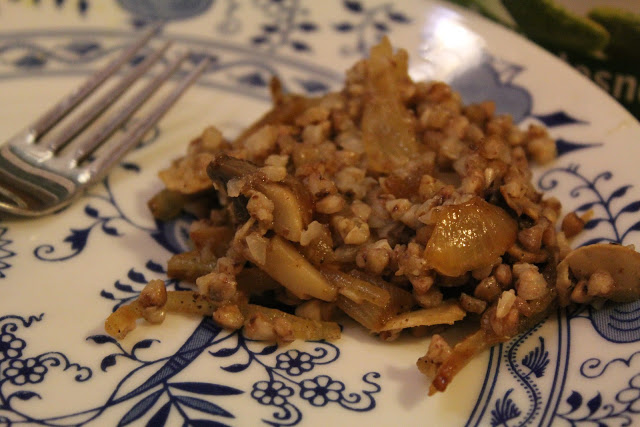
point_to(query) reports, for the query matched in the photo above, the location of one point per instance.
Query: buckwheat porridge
(389, 202)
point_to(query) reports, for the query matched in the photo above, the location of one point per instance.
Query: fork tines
(78, 147)
(41, 171)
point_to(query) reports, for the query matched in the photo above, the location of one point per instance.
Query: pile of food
(389, 202)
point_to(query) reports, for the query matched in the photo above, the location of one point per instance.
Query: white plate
(61, 276)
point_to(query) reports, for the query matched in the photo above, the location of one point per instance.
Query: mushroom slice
(287, 266)
(621, 263)
(292, 208)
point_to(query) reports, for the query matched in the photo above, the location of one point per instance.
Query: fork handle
(22, 192)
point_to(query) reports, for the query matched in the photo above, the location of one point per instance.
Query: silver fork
(40, 175)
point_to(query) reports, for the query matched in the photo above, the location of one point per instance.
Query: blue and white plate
(62, 275)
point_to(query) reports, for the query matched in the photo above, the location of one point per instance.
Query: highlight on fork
(76, 142)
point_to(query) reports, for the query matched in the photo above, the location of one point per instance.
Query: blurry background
(600, 38)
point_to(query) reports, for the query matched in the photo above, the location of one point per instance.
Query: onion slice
(468, 236)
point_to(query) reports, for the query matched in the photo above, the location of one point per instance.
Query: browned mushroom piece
(292, 208)
(282, 261)
(602, 270)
